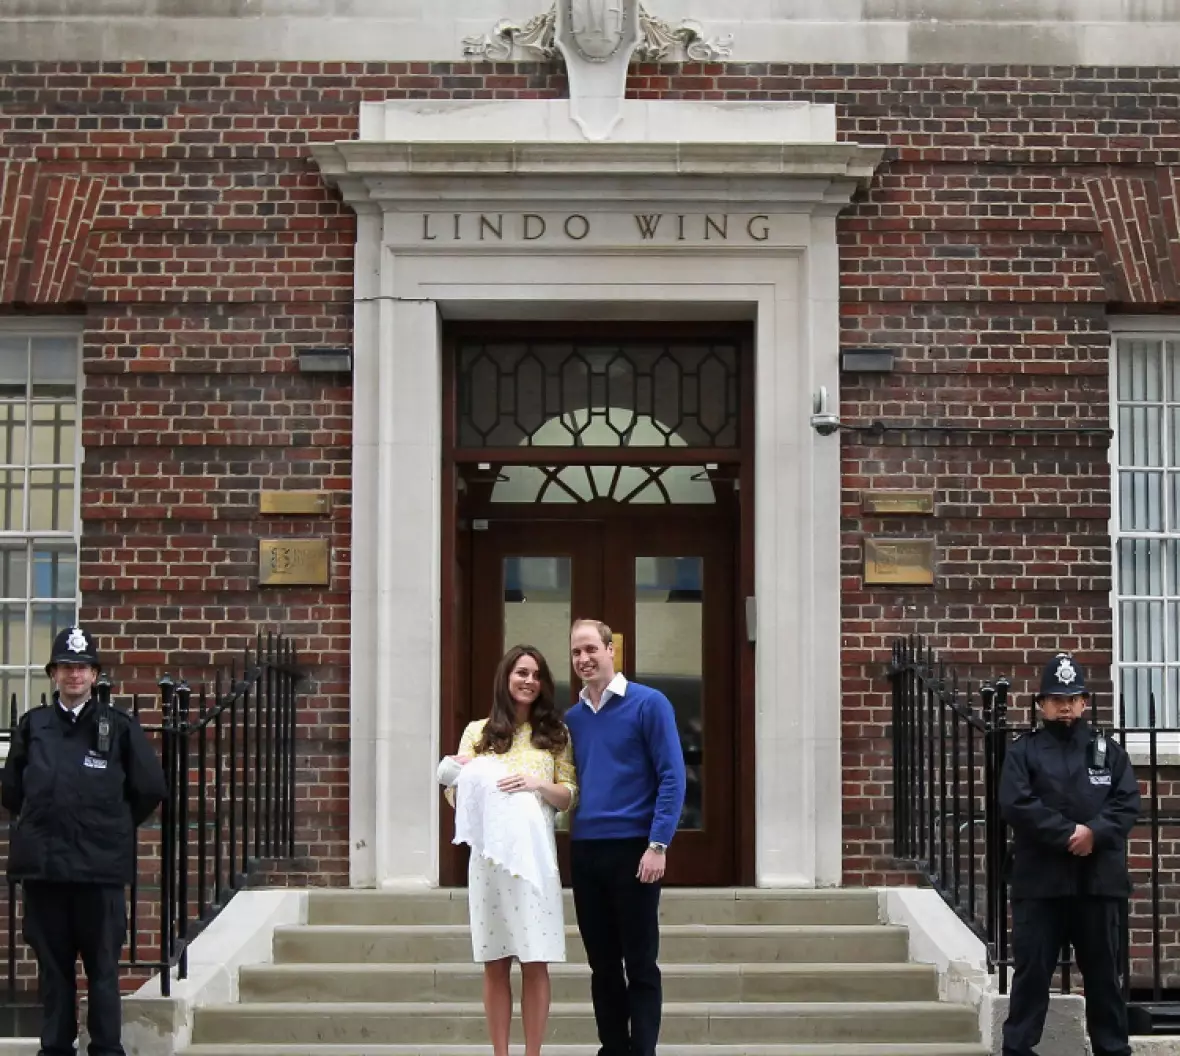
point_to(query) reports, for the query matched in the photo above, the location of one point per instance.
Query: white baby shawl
(511, 829)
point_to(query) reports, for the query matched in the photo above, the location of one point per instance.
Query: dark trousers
(62, 923)
(1040, 928)
(619, 919)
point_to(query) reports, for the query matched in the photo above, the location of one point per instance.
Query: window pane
(12, 684)
(1141, 564)
(48, 619)
(12, 499)
(12, 634)
(55, 570)
(1139, 371)
(1172, 365)
(51, 500)
(12, 433)
(1136, 685)
(13, 568)
(1140, 508)
(1141, 631)
(53, 433)
(669, 645)
(1141, 436)
(55, 366)
(14, 366)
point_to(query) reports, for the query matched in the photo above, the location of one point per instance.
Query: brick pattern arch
(46, 222)
(1139, 221)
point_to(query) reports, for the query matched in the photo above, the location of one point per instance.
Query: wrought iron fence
(228, 752)
(950, 739)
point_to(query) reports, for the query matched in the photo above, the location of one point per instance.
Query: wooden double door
(664, 583)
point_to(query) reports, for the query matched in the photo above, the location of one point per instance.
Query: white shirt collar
(616, 687)
(75, 711)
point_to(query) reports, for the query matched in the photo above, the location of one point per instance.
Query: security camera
(823, 419)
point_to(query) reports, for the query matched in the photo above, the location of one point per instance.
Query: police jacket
(1052, 782)
(77, 807)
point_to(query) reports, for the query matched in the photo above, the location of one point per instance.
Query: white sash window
(40, 459)
(1145, 522)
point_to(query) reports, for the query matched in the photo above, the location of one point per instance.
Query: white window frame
(17, 326)
(1150, 328)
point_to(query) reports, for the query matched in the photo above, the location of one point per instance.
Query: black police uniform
(79, 786)
(1055, 779)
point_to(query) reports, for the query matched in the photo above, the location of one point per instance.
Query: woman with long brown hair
(514, 770)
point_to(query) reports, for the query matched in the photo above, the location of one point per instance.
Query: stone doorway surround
(502, 210)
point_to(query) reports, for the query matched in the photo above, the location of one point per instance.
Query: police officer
(80, 776)
(1071, 798)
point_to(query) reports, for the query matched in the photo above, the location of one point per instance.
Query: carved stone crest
(600, 29)
(661, 40)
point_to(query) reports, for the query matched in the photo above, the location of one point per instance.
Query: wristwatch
(659, 848)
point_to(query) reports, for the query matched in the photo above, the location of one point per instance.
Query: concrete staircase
(755, 973)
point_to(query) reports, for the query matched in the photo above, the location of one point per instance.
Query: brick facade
(174, 207)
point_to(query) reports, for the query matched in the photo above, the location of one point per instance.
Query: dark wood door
(665, 586)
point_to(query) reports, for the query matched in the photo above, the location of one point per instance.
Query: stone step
(679, 944)
(723, 1023)
(858, 1049)
(571, 982)
(677, 906)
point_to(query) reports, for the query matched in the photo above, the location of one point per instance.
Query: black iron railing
(228, 752)
(950, 738)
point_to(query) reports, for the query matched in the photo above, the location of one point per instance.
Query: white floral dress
(510, 916)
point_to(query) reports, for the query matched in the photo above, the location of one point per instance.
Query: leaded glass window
(39, 462)
(606, 394)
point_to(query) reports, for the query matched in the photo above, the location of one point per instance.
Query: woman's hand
(519, 783)
(462, 760)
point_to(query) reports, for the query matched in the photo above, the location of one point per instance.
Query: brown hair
(548, 731)
(604, 632)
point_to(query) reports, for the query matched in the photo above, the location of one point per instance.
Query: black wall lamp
(331, 360)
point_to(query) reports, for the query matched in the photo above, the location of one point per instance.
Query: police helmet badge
(76, 642)
(1066, 674)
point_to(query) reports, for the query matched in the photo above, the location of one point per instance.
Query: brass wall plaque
(899, 561)
(897, 501)
(295, 502)
(293, 562)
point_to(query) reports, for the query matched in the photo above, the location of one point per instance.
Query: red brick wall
(983, 254)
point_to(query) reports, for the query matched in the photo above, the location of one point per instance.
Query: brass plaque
(620, 649)
(293, 562)
(294, 502)
(897, 501)
(899, 561)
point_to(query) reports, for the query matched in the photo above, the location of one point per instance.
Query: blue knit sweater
(630, 767)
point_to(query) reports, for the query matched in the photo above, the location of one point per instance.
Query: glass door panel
(669, 644)
(538, 611)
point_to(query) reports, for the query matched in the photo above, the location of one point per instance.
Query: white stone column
(408, 654)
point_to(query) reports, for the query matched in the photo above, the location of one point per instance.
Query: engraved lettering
(722, 229)
(426, 235)
(496, 229)
(532, 227)
(582, 224)
(456, 235)
(648, 224)
(680, 227)
(763, 231)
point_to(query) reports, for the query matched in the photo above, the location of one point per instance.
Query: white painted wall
(1058, 32)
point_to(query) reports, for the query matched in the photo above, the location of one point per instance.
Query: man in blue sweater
(631, 792)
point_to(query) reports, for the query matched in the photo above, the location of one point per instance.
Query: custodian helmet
(73, 646)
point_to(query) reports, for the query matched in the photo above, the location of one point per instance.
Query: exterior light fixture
(334, 360)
